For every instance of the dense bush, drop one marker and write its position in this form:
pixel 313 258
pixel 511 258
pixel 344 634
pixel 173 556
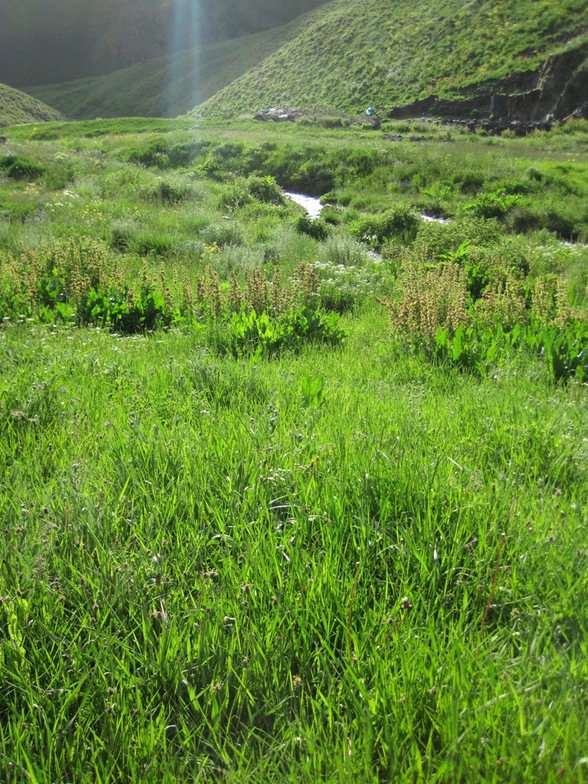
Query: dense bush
pixel 226 233
pixel 255 188
pixel 493 205
pixel 264 189
pixel 399 224
pixel 313 227
pixel 18 167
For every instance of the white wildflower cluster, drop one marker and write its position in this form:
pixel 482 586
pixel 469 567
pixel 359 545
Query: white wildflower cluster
pixel 66 197
pixel 342 287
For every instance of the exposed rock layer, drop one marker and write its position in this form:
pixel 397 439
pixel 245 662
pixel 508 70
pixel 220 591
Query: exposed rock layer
pixel 558 89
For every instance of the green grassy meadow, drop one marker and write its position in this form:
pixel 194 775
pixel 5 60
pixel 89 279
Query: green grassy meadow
pixel 290 500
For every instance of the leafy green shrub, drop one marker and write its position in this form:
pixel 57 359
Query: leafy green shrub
pixel 562 225
pixel 477 348
pixel 435 239
pixel 342 198
pixel 125 311
pixel 313 227
pixel 171 192
pixel 314 177
pixel 515 186
pixel 399 224
pixel 565 350
pixel 535 175
pixel 17 167
pixel 182 154
pixel 248 332
pixel 524 219
pixel 493 205
pixel 331 215
pixel 469 181
pixel 477 274
pixel 264 189
pixel 150 152
pixel 221 234
pixel 243 191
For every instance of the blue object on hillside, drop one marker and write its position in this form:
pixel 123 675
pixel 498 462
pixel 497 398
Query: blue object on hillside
pixel 369 111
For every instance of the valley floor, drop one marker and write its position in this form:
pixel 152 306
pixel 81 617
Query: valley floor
pixel 306 539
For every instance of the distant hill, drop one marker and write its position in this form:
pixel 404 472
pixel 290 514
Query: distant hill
pixel 16 107
pixel 353 53
pixel 166 86
pixel 53 41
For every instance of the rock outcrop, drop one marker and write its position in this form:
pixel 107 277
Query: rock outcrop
pixel 555 91
pixel 278 114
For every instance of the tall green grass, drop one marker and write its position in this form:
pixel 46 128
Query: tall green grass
pixel 347 565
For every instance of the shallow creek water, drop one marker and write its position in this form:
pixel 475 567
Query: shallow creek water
pixel 311 204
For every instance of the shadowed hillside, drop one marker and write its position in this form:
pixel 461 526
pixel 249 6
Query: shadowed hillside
pixel 165 86
pixel 17 107
pixel 51 41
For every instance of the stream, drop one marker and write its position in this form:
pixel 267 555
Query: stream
pixel 313 206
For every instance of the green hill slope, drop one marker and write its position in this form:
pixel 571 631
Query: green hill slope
pixel 18 107
pixel 166 86
pixel 352 53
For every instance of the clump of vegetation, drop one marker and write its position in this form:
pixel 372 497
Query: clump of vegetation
pixel 20 168
pixel 435 313
pixel 82 283
pixel 313 227
pixel 399 224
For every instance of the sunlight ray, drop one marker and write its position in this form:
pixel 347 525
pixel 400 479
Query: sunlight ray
pixel 184 87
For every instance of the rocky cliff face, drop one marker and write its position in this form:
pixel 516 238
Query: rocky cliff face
pixel 558 89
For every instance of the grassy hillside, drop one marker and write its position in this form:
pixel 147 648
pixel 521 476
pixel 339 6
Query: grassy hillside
pixel 352 53
pixel 166 86
pixel 345 55
pixel 17 107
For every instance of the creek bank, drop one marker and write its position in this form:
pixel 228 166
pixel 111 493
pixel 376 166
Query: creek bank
pixel 313 207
